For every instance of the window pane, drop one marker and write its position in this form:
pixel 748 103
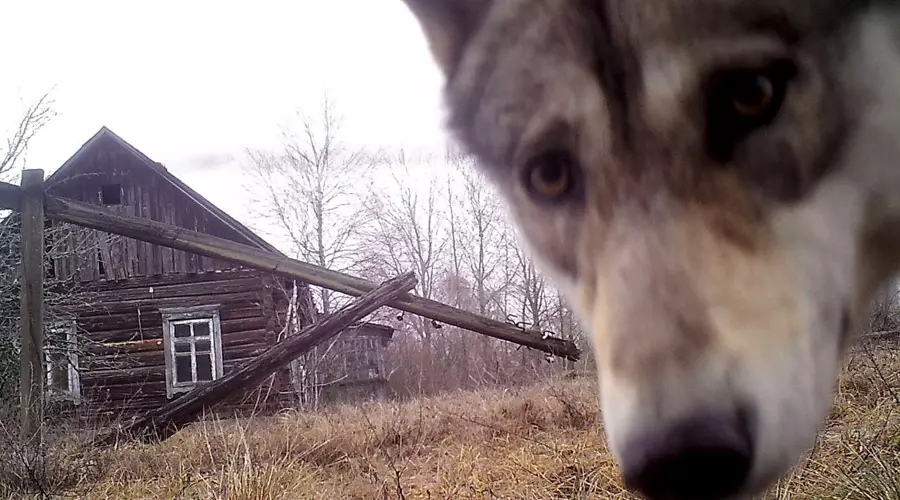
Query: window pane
pixel 204 368
pixel 59 371
pixel 183 368
pixel 201 329
pixel 182 330
pixel 203 346
pixel 182 347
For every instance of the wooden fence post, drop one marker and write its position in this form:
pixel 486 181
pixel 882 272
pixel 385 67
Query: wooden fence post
pixel 31 282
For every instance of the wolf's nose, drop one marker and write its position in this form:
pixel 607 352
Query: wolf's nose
pixel 704 458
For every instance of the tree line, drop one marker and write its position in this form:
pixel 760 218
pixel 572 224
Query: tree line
pixel 376 214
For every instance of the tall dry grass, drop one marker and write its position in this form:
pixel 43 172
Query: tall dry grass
pixel 530 443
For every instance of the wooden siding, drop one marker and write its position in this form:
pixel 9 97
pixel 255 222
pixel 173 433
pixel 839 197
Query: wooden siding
pixel 121 356
pixel 88 255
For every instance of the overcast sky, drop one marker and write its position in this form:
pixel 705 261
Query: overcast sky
pixel 193 83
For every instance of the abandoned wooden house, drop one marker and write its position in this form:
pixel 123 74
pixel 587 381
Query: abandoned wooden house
pixel 139 324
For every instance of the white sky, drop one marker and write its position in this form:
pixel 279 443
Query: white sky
pixel 192 83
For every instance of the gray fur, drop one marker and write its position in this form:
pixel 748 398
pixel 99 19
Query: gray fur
pixel 702 277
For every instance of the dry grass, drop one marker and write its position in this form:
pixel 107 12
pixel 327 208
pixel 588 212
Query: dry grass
pixel 541 442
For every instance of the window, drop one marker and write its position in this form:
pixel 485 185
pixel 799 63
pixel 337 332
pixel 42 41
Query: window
pixel 101 266
pixel 193 342
pixel 361 358
pixel 111 194
pixel 61 358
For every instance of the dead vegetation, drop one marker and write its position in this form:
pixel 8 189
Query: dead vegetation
pixel 536 442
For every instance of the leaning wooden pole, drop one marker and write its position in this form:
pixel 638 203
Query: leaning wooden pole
pixel 166 235
pixel 162 422
pixel 31 375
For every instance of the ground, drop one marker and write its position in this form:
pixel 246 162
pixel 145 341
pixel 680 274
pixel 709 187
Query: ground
pixel 539 442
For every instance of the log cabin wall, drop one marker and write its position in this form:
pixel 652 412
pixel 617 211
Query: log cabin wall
pixel 122 362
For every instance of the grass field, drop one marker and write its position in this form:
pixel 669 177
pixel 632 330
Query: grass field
pixel 538 442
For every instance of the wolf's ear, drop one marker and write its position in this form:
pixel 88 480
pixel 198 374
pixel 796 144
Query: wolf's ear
pixel 448 25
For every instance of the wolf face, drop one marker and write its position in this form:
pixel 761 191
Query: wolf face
pixel 713 185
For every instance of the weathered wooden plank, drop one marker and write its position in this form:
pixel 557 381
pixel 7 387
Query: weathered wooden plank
pixel 243 337
pixel 114 307
pixel 193 260
pixel 167 235
pixel 124 347
pixel 124 376
pixel 246 351
pixel 132 254
pixel 152 208
pixel 125 391
pixel 124 361
pixel 31 381
pixel 168 253
pixel 171 279
pixel 201 288
pixel 163 421
pixel 98 322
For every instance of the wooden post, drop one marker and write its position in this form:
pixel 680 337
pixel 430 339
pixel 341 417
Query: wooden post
pixel 162 422
pixel 31 382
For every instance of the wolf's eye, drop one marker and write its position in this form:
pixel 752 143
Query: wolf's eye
pixel 752 95
pixel 550 176
pixel 740 101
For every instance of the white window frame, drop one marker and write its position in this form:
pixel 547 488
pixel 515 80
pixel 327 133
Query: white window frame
pixel 70 348
pixel 180 315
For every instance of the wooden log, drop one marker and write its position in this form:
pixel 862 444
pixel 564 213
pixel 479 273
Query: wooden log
pixel 11 195
pixel 124 306
pixel 171 236
pixel 165 420
pixel 125 376
pixel 172 291
pixel 31 377
pixel 160 280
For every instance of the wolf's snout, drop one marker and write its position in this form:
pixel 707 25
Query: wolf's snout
pixel 706 457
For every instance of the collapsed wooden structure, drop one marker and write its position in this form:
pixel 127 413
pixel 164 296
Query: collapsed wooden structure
pixel 122 315
pixel 36 203
pixel 163 421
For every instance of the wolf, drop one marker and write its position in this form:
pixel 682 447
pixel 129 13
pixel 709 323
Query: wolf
pixel 714 185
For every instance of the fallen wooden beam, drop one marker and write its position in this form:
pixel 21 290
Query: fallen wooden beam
pixel 167 235
pixel 162 422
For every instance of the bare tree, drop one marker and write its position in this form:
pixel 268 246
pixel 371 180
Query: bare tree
pixel 310 191
pixel 33 120
pixel 484 232
pixel 406 231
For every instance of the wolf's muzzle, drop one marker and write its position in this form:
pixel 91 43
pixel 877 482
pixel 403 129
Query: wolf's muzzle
pixel 707 457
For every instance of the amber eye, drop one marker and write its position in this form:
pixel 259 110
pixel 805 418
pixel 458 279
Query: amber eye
pixel 550 176
pixel 752 95
pixel 743 100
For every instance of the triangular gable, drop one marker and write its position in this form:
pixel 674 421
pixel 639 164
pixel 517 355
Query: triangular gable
pixel 64 171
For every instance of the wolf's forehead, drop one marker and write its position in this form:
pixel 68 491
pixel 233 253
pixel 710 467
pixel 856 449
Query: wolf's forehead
pixel 531 52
